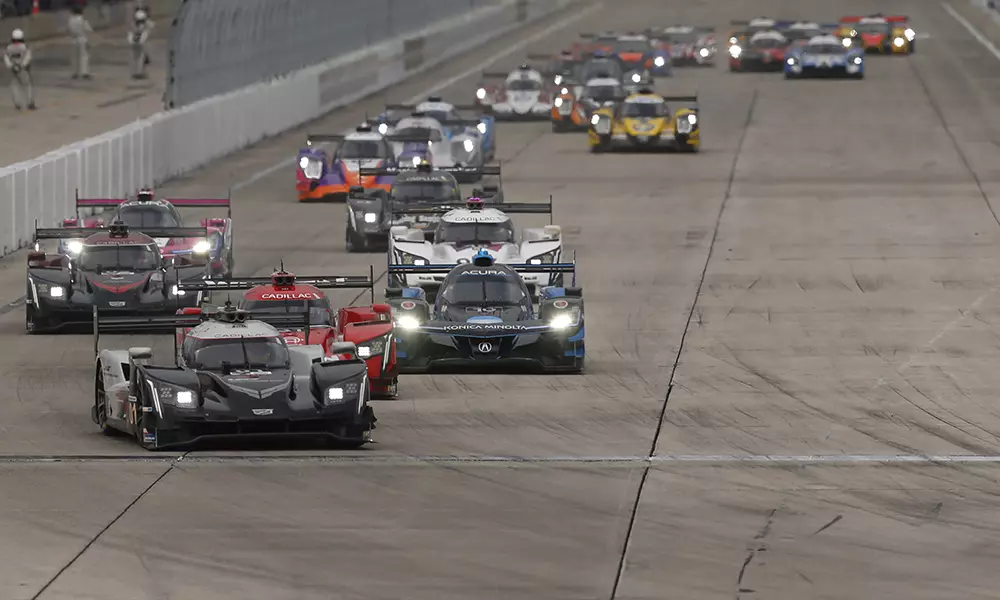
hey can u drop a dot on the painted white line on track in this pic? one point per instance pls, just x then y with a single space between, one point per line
439 85
972 30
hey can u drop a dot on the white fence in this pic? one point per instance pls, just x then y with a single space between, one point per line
168 144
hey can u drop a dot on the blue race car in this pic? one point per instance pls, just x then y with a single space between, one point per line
824 56
455 125
483 318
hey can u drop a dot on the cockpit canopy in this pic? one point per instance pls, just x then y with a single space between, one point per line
473 234
601 68
493 286
115 257
263 353
137 216
359 149
320 313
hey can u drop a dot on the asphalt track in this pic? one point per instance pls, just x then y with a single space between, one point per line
782 329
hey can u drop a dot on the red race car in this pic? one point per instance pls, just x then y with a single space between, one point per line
765 51
370 328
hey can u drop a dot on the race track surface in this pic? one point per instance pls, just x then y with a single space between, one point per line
781 329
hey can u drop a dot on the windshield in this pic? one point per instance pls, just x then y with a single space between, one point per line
602 68
120 258
419 133
603 93
767 43
827 49
475 289
470 234
644 109
319 310
240 353
364 149
147 216
523 85
872 28
801 34
426 191
631 46
440 116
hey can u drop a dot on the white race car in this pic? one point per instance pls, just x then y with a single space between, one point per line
523 95
419 138
462 232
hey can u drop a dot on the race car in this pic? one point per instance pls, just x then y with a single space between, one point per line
369 328
465 229
484 318
418 138
118 269
824 56
800 32
635 51
522 94
574 112
877 33
744 30
764 51
644 122
369 215
562 66
685 45
456 126
322 177
146 211
235 377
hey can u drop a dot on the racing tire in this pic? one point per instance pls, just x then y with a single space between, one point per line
100 414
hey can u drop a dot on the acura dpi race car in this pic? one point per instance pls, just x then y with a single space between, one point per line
457 127
323 177
644 122
824 56
573 112
367 327
876 33
522 94
484 318
370 216
420 138
464 230
146 211
235 378
118 270
765 51
685 45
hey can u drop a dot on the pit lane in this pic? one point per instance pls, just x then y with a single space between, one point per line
843 259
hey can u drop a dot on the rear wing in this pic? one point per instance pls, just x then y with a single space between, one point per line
323 138
97 202
441 269
513 208
178 202
392 171
153 232
691 100
326 282
495 74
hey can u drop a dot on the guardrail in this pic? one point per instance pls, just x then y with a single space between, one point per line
174 142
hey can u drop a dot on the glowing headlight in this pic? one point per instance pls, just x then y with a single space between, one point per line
557 102
535 261
857 60
659 62
202 247
304 162
847 42
564 91
371 217
383 128
56 291
561 321
185 397
693 119
790 61
407 322
594 120
704 52
468 145
636 78
557 79
312 168
481 128
335 394
481 94
177 291
74 246
735 51
733 40
898 42
910 34
419 262
364 351
416 161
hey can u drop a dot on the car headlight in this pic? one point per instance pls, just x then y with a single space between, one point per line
557 102
371 217
659 62
177 291
202 247
735 51
312 168
636 78
847 42
544 259
481 128
693 119
468 145
178 396
564 91
557 79
335 395
704 52
383 128
910 34
56 291
304 162
407 322
416 161
340 393
481 94
898 42
411 259
790 61
857 60
373 347
561 321
733 40
594 120
74 246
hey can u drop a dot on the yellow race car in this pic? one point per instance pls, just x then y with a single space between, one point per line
644 122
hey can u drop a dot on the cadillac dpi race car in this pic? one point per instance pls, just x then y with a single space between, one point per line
146 211
369 217
466 229
885 35
118 270
369 328
484 319
685 45
420 138
573 111
765 51
523 94
320 177
235 378
456 126
824 56
644 123
744 30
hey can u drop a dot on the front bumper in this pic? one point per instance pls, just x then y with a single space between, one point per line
659 143
539 112
53 318
832 72
316 190
547 353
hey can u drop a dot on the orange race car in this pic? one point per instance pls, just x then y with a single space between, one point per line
878 34
321 177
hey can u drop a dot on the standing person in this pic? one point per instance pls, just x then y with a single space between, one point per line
17 58
79 28
138 36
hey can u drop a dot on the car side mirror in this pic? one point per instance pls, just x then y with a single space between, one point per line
344 348
140 353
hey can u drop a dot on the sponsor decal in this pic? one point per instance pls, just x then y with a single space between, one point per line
262 412
486 272
117 304
148 438
485 347
486 327
408 305
290 296
560 304
476 219
292 339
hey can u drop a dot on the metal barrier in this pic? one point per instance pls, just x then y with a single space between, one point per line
174 142
217 46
